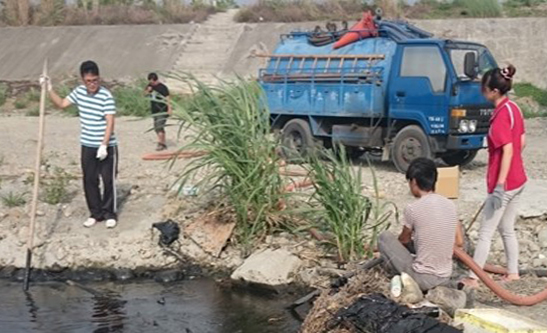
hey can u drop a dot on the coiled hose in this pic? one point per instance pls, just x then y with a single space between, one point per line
496 288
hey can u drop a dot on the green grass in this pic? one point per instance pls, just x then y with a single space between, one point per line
524 8
55 188
529 90
301 10
64 90
229 124
33 95
481 8
131 101
20 103
33 112
11 200
3 93
528 113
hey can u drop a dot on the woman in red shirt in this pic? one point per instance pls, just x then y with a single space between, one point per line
506 176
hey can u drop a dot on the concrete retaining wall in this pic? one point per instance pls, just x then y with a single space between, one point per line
128 51
121 51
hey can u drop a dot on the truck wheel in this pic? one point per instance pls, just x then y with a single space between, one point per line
297 141
409 144
462 157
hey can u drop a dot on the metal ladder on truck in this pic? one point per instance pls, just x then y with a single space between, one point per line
284 68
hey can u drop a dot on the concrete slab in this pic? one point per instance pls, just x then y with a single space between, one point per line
120 51
532 203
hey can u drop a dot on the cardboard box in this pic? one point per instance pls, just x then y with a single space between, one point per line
448 183
496 321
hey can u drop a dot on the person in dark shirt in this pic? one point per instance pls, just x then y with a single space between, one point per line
160 105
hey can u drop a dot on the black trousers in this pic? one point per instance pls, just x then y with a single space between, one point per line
101 206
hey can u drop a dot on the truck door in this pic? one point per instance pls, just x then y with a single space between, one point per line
419 88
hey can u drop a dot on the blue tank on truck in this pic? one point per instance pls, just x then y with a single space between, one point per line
403 94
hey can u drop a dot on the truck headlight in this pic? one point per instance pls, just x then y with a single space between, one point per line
464 126
472 126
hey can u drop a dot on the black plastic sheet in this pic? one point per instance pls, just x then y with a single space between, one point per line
377 314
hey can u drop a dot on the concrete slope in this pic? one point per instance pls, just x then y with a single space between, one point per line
121 51
209 48
220 47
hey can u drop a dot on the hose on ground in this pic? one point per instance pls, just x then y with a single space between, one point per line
502 271
496 288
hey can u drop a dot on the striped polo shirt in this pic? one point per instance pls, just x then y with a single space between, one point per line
433 220
92 110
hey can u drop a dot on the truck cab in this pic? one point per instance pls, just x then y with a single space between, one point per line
403 94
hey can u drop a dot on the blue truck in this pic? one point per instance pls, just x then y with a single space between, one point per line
401 95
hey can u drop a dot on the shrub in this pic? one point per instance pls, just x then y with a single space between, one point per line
131 101
20 103
33 112
55 188
353 219
231 126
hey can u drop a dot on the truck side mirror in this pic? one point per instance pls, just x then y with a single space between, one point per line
470 65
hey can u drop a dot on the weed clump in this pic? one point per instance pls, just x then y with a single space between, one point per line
55 188
11 200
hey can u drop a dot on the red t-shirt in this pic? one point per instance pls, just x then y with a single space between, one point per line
506 126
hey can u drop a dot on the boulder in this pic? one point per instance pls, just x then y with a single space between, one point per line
447 299
412 293
273 268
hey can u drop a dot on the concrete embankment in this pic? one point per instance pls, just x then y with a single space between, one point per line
131 51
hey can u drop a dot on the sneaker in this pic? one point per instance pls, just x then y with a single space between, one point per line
111 223
90 222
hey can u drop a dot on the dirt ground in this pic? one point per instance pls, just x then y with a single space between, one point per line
146 197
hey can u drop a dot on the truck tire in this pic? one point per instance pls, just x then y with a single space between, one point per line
297 141
410 143
462 157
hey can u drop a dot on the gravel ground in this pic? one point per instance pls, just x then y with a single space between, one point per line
145 193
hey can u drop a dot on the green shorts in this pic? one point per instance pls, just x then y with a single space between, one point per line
159 123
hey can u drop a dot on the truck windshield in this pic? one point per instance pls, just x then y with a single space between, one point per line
484 58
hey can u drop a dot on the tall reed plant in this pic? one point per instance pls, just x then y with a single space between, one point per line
230 124
343 210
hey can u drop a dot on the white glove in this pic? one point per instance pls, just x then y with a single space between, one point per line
44 79
102 153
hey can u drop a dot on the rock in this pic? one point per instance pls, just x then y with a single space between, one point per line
269 268
536 263
542 237
169 276
412 293
22 236
124 274
448 299
40 213
539 263
67 212
309 276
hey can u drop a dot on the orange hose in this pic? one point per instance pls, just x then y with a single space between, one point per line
296 185
496 288
163 156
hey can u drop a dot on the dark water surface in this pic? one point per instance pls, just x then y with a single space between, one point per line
194 306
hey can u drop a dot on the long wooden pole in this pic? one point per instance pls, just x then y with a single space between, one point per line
34 205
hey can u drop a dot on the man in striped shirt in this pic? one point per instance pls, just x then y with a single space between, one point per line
430 231
99 154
